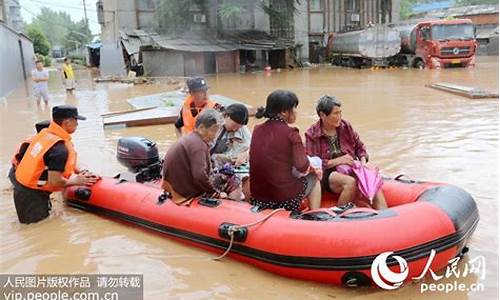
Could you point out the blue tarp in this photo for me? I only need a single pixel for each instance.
(94, 45)
(425, 7)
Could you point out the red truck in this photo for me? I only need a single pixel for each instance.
(437, 44)
(414, 43)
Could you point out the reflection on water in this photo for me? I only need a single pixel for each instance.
(408, 128)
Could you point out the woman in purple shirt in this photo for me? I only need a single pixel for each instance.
(336, 142)
(276, 153)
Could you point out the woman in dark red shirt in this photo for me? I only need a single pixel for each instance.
(276, 153)
(335, 141)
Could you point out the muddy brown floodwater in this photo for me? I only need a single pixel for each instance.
(408, 128)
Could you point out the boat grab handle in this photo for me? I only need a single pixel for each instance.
(358, 210)
(325, 210)
(401, 177)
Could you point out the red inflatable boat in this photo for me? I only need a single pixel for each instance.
(324, 245)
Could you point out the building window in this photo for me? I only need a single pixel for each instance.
(316, 5)
(2, 17)
(351, 5)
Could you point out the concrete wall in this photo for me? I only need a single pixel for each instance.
(492, 48)
(145, 13)
(122, 15)
(11, 70)
(13, 14)
(317, 24)
(301, 31)
(163, 63)
(3, 13)
(261, 19)
(396, 10)
(111, 61)
(339, 16)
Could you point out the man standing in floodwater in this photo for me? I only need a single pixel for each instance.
(40, 78)
(68, 75)
(49, 165)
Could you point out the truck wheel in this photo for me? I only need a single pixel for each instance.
(419, 64)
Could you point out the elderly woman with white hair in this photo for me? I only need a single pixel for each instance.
(187, 167)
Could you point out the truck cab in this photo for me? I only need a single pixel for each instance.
(443, 43)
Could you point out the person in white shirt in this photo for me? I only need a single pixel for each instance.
(40, 78)
(233, 139)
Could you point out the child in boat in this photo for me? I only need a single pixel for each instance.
(233, 139)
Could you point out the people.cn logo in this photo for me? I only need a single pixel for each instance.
(385, 277)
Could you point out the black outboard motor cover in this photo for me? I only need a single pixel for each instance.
(136, 153)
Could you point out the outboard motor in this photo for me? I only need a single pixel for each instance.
(140, 156)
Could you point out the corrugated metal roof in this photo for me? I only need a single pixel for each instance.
(463, 11)
(479, 10)
(255, 39)
(193, 44)
(132, 40)
(131, 45)
(486, 33)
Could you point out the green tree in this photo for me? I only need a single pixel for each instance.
(54, 24)
(78, 35)
(40, 42)
(405, 9)
(230, 11)
(173, 16)
(60, 30)
(176, 17)
(281, 15)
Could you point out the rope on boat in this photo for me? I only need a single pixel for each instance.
(234, 228)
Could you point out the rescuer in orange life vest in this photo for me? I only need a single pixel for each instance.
(193, 105)
(48, 165)
(21, 149)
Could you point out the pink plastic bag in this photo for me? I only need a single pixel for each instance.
(369, 179)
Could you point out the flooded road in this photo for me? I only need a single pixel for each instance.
(408, 128)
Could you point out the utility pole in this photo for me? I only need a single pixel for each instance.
(85, 12)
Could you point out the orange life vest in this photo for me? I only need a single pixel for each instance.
(187, 117)
(32, 165)
(15, 162)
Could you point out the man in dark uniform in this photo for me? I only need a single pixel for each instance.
(48, 165)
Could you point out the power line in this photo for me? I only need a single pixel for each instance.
(80, 8)
(36, 15)
(53, 23)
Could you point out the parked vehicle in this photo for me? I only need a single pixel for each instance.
(422, 44)
(371, 46)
